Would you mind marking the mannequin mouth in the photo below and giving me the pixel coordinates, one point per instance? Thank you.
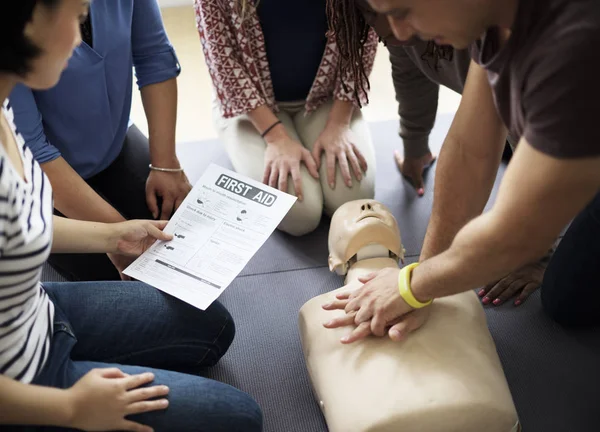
(369, 215)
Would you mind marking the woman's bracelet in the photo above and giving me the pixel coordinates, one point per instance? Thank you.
(270, 128)
(171, 170)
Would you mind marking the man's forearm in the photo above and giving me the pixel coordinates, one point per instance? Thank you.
(74, 198)
(462, 188)
(75, 236)
(160, 106)
(24, 404)
(481, 252)
(467, 165)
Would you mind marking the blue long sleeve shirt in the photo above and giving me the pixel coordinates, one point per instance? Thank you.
(85, 117)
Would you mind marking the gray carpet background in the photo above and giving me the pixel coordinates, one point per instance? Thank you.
(553, 373)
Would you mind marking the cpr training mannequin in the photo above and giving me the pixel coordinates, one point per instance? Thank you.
(445, 377)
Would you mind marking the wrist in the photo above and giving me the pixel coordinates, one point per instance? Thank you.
(111, 235)
(65, 408)
(411, 288)
(167, 160)
(276, 135)
(340, 114)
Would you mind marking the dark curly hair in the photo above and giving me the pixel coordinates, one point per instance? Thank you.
(348, 26)
(16, 50)
(350, 29)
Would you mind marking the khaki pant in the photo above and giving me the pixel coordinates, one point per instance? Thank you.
(246, 150)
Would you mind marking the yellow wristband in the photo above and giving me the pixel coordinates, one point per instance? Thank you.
(405, 290)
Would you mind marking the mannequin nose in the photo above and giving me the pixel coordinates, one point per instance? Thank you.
(366, 206)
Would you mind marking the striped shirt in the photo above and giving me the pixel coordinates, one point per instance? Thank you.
(26, 312)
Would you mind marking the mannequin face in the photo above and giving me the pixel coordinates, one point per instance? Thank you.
(357, 224)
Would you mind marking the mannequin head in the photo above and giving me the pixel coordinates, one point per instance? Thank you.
(358, 224)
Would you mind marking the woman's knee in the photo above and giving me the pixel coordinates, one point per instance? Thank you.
(304, 216)
(335, 198)
(226, 409)
(224, 337)
(198, 404)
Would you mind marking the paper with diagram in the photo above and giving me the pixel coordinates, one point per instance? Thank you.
(217, 229)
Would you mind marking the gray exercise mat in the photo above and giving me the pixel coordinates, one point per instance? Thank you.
(553, 373)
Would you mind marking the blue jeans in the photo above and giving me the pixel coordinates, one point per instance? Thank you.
(137, 328)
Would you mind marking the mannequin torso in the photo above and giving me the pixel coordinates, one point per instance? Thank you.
(446, 377)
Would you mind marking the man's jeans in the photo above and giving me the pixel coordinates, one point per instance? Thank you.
(136, 328)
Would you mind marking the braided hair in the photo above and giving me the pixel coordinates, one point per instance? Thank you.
(350, 30)
(347, 23)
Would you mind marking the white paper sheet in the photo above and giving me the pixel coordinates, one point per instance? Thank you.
(220, 225)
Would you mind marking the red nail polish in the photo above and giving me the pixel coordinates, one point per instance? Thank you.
(518, 302)
(481, 292)
(497, 302)
(421, 192)
(485, 300)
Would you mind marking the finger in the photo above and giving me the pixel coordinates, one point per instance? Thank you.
(496, 290)
(166, 207)
(157, 233)
(378, 325)
(398, 159)
(336, 304)
(267, 174)
(360, 332)
(124, 277)
(512, 289)
(361, 159)
(316, 154)
(147, 406)
(367, 278)
(111, 373)
(178, 202)
(135, 381)
(343, 295)
(527, 291)
(146, 393)
(273, 177)
(297, 179)
(399, 331)
(343, 321)
(284, 172)
(365, 312)
(330, 158)
(354, 164)
(486, 289)
(311, 163)
(128, 426)
(418, 183)
(344, 168)
(410, 323)
(160, 224)
(152, 203)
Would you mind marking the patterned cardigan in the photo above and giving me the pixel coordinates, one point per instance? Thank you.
(236, 57)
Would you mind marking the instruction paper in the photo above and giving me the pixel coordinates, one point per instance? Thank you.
(217, 229)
